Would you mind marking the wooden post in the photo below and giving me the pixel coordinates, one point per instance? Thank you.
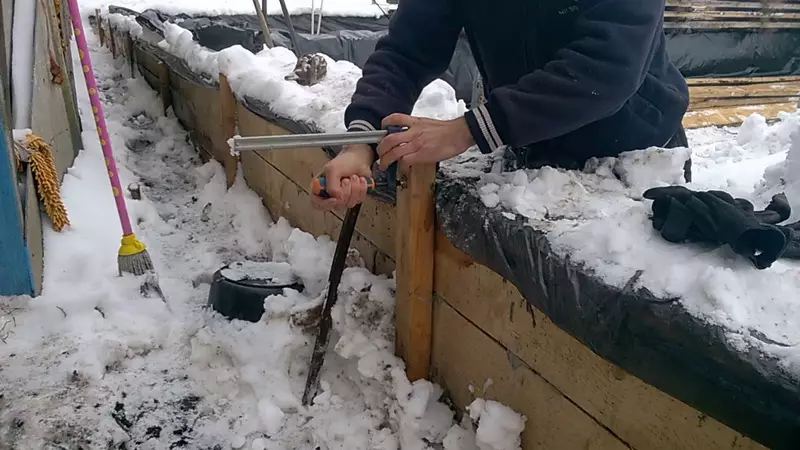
(228, 106)
(163, 81)
(112, 41)
(129, 50)
(414, 265)
(101, 33)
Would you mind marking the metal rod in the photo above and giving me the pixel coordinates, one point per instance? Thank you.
(264, 27)
(306, 140)
(292, 33)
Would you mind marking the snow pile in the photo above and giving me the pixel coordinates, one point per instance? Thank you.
(275, 272)
(598, 217)
(352, 8)
(261, 77)
(92, 364)
(125, 24)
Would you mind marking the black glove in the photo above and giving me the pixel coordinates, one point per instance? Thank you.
(793, 232)
(715, 217)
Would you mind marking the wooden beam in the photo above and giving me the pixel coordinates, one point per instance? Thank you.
(228, 125)
(759, 90)
(742, 81)
(752, 16)
(415, 245)
(713, 4)
(101, 32)
(163, 81)
(707, 25)
(468, 364)
(112, 40)
(734, 115)
(636, 412)
(712, 103)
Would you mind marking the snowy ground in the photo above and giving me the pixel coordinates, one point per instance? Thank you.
(603, 223)
(92, 364)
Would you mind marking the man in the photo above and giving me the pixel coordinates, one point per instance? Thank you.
(565, 80)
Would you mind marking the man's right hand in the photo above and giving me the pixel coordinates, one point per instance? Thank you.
(344, 178)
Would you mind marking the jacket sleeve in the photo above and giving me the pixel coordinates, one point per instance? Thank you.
(417, 49)
(588, 79)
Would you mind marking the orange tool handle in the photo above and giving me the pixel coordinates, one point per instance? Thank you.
(318, 186)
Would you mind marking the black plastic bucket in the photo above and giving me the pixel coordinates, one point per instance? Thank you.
(237, 297)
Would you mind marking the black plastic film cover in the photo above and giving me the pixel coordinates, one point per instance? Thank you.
(736, 53)
(653, 338)
(708, 53)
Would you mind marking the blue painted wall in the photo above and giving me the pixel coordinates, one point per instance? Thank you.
(15, 267)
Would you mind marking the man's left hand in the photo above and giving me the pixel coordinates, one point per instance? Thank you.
(427, 141)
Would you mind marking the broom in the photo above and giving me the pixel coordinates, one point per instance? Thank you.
(133, 256)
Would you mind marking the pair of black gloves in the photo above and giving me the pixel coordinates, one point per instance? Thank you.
(716, 218)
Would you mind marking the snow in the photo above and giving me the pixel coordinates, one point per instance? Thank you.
(598, 217)
(276, 272)
(22, 62)
(351, 8)
(91, 363)
(261, 77)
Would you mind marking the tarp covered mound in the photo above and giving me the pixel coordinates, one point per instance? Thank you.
(655, 339)
(707, 53)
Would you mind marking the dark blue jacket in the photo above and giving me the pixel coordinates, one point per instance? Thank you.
(587, 77)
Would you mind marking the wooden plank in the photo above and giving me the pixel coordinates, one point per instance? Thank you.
(761, 90)
(112, 41)
(729, 102)
(228, 125)
(734, 115)
(753, 16)
(164, 92)
(101, 32)
(708, 4)
(285, 198)
(638, 413)
(738, 81)
(377, 219)
(704, 25)
(415, 240)
(466, 360)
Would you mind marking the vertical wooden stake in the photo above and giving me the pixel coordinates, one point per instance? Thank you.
(228, 107)
(129, 50)
(101, 33)
(163, 81)
(111, 40)
(415, 242)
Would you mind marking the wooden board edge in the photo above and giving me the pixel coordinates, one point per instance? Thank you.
(469, 364)
(639, 413)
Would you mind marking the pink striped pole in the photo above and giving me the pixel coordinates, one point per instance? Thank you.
(99, 117)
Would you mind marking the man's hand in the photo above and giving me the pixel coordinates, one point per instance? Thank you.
(427, 141)
(344, 177)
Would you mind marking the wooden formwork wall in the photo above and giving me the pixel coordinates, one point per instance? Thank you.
(457, 321)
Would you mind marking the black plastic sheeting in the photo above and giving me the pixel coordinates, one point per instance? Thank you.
(342, 38)
(736, 53)
(710, 53)
(653, 338)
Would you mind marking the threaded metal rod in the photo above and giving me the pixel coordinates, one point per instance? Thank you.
(306, 140)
